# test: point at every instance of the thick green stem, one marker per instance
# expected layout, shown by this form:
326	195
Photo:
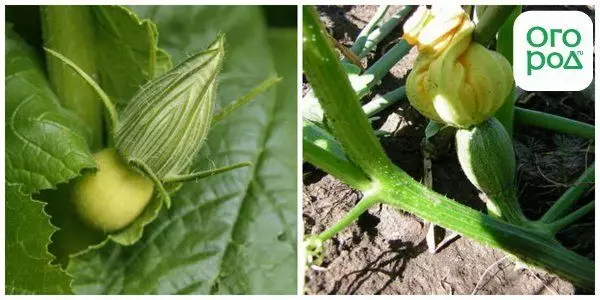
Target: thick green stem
380	33
571	218
552	122
69	30
568	199
332	87
361	40
490	22
380	103
363	205
384	64
531	246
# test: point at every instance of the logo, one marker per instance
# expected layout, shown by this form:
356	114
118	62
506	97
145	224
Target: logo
553	51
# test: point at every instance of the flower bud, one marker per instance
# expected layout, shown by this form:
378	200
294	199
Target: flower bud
454	80
166	122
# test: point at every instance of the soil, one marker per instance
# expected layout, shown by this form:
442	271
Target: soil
385	251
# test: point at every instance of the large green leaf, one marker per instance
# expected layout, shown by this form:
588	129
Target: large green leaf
127	52
231	233
262	256
45	146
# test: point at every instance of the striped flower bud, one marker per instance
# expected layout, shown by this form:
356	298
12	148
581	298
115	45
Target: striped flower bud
167	121
454	80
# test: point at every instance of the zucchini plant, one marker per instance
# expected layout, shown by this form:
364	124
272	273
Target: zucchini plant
112	152
456	81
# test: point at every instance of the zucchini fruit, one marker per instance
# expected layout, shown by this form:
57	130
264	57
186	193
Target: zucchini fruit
487	158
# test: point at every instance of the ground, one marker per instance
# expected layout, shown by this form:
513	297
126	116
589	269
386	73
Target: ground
385	251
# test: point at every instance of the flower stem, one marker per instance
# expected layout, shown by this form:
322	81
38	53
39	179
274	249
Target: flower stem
548	121
568	199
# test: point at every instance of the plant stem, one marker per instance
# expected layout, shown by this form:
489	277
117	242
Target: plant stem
568	199
332	164
552	122
504	44
317	135
380	33
380	103
532	247
506	112
363	205
69	31
331	85
361	40
571	218
383	65
493	18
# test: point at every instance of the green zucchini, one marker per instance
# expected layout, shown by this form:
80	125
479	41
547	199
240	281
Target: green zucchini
487	158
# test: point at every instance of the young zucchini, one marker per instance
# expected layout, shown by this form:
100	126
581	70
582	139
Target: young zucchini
487	158
112	196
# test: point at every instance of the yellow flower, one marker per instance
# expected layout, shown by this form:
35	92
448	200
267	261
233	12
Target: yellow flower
454	80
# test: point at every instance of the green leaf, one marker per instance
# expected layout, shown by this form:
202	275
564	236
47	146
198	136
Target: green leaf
432	129
127	51
234	232
45	146
263	254
322	139
28	230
